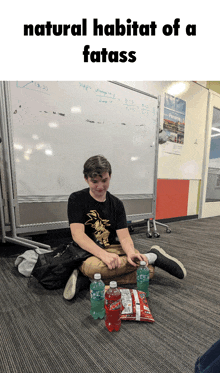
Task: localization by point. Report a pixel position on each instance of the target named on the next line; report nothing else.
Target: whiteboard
(57, 126)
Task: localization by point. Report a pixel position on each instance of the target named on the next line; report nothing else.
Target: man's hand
(128, 247)
(111, 260)
(133, 257)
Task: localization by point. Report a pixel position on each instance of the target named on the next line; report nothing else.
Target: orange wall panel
(172, 198)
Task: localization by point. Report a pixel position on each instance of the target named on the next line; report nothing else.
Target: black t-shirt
(101, 219)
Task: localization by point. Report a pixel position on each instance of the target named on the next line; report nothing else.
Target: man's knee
(91, 266)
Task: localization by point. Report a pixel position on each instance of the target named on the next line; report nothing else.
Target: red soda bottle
(113, 307)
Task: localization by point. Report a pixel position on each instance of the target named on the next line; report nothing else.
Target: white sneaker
(75, 284)
(70, 288)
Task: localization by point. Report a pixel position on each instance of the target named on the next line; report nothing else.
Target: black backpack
(54, 268)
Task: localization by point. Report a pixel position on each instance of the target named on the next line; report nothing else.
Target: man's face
(99, 186)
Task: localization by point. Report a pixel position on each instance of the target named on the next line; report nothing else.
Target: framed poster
(174, 123)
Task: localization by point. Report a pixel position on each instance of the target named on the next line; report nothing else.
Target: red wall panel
(172, 198)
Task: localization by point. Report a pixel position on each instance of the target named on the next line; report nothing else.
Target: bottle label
(143, 277)
(113, 305)
(97, 294)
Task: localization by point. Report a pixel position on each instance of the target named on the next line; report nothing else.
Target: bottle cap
(97, 276)
(143, 263)
(113, 284)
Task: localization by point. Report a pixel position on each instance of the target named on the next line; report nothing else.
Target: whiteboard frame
(10, 165)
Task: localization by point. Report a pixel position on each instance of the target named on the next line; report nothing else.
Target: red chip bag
(135, 306)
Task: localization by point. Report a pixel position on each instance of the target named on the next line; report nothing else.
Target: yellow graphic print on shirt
(101, 233)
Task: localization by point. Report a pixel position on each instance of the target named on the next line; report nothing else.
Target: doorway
(210, 192)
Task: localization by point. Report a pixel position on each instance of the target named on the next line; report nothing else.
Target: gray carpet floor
(42, 333)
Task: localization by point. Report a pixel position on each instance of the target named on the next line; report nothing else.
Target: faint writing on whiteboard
(33, 86)
(106, 97)
(85, 86)
(131, 106)
(24, 109)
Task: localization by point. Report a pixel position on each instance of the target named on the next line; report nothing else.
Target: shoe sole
(171, 258)
(70, 288)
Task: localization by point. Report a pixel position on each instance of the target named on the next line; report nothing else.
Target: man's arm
(128, 247)
(86, 243)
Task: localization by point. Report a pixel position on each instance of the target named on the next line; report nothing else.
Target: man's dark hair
(96, 166)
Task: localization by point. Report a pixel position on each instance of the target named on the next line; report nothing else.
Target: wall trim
(178, 218)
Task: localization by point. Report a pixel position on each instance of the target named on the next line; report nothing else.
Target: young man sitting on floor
(98, 225)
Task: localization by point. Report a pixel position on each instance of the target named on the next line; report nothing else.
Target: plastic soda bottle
(97, 297)
(113, 307)
(143, 278)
